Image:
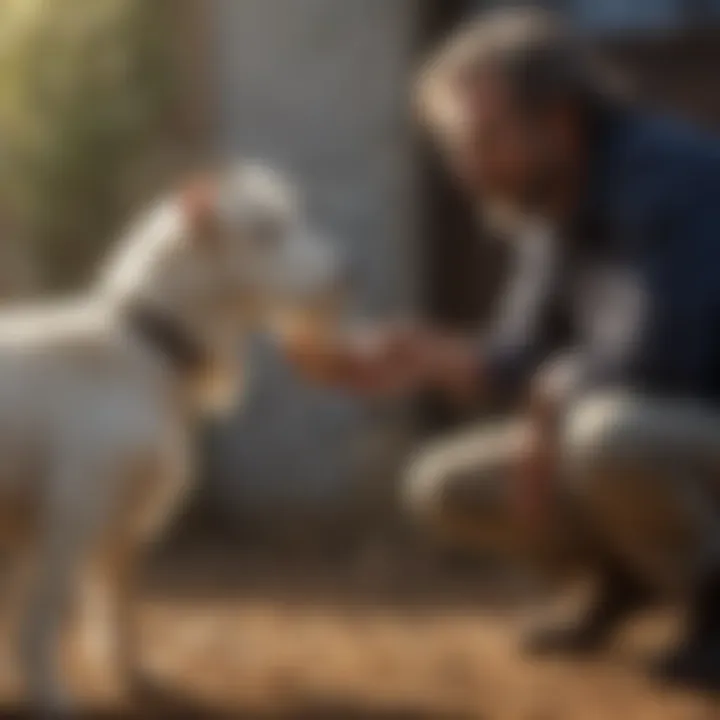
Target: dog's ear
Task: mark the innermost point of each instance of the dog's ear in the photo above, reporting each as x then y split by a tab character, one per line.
198	200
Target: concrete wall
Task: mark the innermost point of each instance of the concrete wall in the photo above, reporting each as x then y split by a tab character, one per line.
318	87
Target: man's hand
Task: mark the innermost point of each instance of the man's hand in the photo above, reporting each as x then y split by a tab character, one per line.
366	361
537	466
533	487
389	360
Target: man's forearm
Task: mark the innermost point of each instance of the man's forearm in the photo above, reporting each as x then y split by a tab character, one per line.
457	368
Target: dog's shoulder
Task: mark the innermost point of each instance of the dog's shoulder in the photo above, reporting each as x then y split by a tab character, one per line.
70	338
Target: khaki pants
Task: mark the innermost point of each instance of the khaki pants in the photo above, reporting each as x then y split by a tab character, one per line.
638	477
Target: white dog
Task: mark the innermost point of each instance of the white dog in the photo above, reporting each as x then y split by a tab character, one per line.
98	396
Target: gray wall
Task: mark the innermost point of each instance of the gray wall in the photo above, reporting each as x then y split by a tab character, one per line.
317	87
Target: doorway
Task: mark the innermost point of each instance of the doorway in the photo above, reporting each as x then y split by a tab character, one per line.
460	272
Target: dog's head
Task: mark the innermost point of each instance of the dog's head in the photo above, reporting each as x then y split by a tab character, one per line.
227	251
255	248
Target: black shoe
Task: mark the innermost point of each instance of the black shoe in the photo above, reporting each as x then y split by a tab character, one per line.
693	666
696	662
619	596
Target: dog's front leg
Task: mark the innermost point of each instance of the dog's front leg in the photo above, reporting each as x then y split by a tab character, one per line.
63	541
128	622
108	623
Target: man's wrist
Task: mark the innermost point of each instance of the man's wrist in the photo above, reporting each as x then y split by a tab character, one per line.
456	368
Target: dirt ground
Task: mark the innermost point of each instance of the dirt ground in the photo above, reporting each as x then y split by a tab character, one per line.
245	638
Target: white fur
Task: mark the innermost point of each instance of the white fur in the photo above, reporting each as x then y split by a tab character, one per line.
95	423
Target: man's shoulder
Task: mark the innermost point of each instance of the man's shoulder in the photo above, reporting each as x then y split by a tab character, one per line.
660	165
668	144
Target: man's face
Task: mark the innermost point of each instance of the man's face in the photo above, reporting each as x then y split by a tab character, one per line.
500	154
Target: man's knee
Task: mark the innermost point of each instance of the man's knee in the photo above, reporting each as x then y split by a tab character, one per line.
600	431
429	485
629	463
461	479
618	460
423	487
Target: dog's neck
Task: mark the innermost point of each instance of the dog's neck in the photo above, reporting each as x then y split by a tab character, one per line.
198	345
187	354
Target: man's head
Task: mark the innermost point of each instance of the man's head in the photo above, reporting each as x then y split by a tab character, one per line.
509	99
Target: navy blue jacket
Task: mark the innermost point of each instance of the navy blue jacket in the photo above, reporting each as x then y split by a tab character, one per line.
638	279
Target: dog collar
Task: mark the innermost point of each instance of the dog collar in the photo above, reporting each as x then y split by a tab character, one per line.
168	336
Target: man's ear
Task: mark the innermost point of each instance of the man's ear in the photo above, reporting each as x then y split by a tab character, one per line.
198	200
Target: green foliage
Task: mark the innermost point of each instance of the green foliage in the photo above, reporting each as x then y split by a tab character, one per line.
84	88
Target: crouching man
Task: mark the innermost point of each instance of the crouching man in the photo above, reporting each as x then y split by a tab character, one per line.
611	320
